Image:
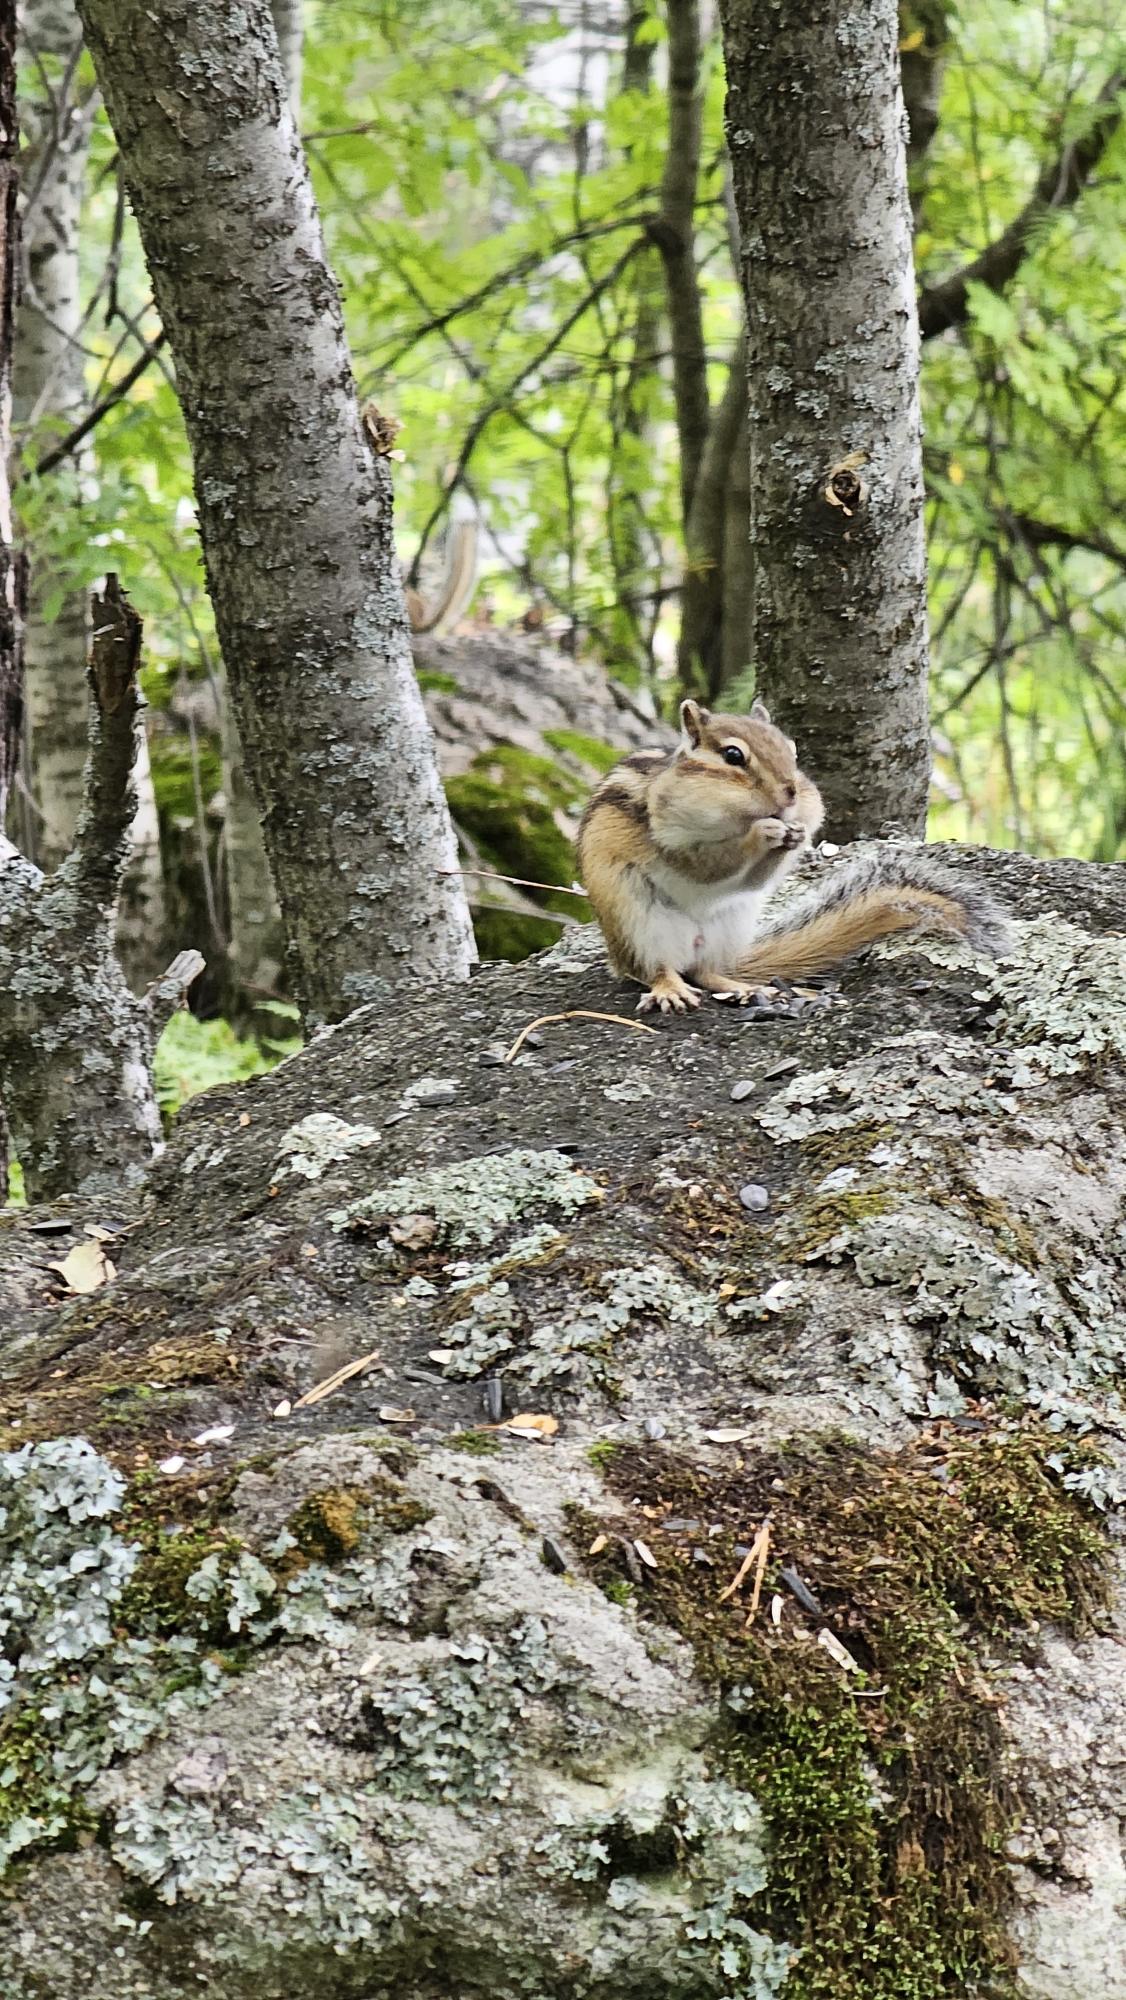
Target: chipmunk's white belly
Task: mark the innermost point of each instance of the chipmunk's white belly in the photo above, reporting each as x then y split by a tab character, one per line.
712	936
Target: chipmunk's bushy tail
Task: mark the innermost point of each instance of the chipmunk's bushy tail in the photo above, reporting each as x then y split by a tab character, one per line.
893	889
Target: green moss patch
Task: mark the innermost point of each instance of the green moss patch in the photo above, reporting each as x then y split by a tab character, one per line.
174	774
113	1397
885	1789
512	802
585	750
478	1444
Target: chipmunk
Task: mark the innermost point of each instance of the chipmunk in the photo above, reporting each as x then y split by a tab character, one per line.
680	850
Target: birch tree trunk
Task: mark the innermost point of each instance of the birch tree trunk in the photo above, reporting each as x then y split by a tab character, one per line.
839	638
48	388
295	512
47	383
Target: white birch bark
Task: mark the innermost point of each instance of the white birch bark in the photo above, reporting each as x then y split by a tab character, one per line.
49	388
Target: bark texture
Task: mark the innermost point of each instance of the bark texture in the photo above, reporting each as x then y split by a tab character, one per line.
738	567
256	951
295	513
342	1723
815	132
675	236
76	1048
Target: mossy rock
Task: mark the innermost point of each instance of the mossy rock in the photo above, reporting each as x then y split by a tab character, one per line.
516	806
584	751
885	1787
174	778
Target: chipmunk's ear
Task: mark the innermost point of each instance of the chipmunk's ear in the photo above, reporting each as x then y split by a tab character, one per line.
759	712
693	720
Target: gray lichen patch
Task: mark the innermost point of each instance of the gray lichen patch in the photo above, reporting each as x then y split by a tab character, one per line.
540	1346
369	1796
109	1631
990	1324
1063	995
74	1694
321	1141
921	1074
1061	989
473	1201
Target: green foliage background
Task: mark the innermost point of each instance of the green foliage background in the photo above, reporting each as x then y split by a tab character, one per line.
488	233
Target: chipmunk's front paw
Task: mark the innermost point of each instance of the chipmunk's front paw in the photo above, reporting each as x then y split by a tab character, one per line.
776	833
670	994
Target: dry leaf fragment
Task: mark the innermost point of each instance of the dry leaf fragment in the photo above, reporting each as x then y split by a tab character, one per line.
218	1434
171	1465
599	1543
390	1415
96	1230
836	1651
776	1609
646	1554
84	1268
527	1421
413	1232
441	1355
283	1408
734	1436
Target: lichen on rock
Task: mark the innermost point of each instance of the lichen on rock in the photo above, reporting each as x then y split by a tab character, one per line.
473	1200
395	1701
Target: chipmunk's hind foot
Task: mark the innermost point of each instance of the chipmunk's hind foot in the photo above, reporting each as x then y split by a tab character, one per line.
732	991
669	994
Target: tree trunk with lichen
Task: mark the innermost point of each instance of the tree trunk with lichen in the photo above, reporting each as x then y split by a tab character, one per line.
839	633
256	943
295	512
76	1048
360	1694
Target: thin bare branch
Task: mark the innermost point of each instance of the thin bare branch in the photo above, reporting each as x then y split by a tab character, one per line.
68	445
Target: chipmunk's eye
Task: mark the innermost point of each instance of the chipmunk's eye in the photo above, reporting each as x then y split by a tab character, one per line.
732	754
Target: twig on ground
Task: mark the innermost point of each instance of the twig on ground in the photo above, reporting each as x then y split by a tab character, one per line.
573	1014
